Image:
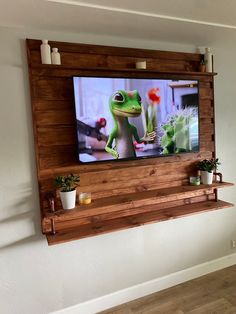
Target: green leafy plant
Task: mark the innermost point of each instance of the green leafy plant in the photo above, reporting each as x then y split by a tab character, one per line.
67	183
208	164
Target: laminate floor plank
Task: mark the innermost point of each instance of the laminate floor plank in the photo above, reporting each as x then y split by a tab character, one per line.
217	307
214	293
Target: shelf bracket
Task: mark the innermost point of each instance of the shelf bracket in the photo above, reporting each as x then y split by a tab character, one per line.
53	227
216	195
51	201
218	174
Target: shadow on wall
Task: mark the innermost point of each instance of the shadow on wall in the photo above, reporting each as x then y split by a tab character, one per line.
21	221
21	225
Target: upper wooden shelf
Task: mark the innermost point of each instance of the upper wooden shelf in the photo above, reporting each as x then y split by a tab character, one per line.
102	211
117	69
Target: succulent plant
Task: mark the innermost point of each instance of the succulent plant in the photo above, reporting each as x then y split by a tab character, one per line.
67	183
208	164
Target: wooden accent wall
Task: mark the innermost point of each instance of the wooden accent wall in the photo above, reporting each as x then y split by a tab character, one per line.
54	118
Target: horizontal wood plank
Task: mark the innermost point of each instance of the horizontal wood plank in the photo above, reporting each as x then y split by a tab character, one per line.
34	45
87	168
135	221
134	200
63	225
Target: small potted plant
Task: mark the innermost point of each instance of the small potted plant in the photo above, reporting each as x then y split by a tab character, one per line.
202	66
67	185
206	167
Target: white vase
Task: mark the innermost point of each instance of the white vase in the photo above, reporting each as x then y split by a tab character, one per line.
208	59
68	199
206	177
45	52
56	58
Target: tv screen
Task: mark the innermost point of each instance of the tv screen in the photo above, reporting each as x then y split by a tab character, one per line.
129	118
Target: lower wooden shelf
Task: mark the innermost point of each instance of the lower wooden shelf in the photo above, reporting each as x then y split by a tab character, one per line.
131	210
97	228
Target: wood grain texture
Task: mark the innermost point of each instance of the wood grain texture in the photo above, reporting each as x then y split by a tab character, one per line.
111	225
55	132
212	293
134	200
107	208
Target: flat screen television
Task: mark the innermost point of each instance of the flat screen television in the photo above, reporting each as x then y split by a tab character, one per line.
131	118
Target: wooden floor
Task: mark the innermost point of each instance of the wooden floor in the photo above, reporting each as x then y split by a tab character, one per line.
214	293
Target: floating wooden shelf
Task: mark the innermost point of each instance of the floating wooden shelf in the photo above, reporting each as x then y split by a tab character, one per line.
126	211
48	68
131	221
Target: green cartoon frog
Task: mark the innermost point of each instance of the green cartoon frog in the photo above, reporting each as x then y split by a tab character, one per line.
125	104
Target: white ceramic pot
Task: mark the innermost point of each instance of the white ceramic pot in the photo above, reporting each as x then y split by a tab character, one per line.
206	177
68	199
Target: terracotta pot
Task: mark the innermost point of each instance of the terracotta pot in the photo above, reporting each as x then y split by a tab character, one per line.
202	68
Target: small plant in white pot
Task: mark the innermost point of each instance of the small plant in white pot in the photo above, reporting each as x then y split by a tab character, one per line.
207	166
67	185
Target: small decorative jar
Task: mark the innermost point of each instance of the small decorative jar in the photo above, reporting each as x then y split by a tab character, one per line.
85	198
194	180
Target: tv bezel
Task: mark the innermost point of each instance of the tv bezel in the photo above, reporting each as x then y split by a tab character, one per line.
141	77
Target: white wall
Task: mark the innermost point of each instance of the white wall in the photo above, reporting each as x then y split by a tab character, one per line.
35	278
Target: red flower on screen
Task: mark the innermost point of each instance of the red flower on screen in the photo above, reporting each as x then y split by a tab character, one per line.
153	96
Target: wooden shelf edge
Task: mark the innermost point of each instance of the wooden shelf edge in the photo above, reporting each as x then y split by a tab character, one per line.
133	201
135	221
109	69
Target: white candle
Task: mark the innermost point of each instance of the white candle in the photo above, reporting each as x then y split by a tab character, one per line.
141	65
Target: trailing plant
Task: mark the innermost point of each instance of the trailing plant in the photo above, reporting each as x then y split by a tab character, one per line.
67	183
208	164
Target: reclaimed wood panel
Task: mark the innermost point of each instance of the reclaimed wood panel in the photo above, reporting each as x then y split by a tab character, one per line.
55	132
52	88
34	44
55	105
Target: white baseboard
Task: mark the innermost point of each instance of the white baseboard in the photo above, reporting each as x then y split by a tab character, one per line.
148	287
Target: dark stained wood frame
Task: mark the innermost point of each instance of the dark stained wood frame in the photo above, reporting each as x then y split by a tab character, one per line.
125	193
